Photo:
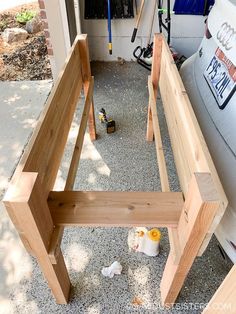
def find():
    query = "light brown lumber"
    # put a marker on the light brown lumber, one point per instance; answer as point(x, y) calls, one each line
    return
point(201, 205)
point(74, 208)
point(45, 149)
point(224, 300)
point(86, 74)
point(26, 201)
point(58, 230)
point(88, 83)
point(55, 244)
point(165, 186)
point(80, 139)
point(190, 147)
point(155, 75)
point(184, 172)
point(158, 141)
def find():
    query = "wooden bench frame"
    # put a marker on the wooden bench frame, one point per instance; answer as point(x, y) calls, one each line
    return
point(40, 214)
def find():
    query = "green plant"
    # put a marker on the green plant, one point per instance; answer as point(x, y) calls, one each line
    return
point(25, 16)
point(3, 25)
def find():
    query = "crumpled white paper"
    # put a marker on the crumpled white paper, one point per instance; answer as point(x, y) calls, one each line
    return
point(114, 269)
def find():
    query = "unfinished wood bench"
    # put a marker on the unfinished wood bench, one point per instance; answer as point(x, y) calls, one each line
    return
point(40, 214)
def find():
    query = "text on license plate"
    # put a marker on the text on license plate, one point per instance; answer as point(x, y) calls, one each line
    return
point(221, 77)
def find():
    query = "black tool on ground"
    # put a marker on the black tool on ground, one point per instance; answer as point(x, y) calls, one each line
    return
point(110, 123)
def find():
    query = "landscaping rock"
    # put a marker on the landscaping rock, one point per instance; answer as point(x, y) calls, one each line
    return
point(29, 62)
point(34, 26)
point(11, 35)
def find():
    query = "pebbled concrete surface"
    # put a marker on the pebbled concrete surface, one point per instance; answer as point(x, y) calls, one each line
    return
point(119, 161)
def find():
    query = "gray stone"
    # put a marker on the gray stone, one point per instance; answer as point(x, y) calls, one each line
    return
point(11, 35)
point(34, 26)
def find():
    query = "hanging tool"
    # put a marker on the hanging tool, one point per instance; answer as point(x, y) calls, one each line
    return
point(110, 123)
point(109, 26)
point(144, 55)
point(136, 6)
point(166, 25)
point(137, 22)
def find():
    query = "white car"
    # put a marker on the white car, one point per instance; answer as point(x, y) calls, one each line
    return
point(209, 77)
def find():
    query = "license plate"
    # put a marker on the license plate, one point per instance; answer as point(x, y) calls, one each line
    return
point(221, 77)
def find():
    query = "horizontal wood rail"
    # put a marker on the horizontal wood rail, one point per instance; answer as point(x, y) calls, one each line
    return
point(80, 139)
point(165, 185)
point(74, 208)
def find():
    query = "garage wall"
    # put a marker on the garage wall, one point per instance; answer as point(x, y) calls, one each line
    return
point(187, 32)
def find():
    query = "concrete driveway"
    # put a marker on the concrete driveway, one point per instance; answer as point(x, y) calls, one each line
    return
point(20, 106)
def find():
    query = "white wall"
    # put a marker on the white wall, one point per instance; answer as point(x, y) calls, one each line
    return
point(187, 32)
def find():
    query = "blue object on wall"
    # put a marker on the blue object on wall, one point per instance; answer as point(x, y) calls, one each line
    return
point(194, 7)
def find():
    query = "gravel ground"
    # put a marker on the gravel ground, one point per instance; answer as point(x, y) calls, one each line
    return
point(119, 161)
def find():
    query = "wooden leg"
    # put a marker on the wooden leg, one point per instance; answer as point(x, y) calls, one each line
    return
point(86, 72)
point(91, 119)
point(27, 202)
point(198, 212)
point(224, 300)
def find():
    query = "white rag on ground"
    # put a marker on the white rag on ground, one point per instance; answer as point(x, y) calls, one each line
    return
point(114, 269)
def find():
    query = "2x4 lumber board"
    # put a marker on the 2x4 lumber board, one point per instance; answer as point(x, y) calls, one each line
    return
point(153, 82)
point(165, 186)
point(45, 149)
point(58, 230)
point(86, 74)
point(188, 130)
point(45, 156)
point(80, 139)
point(192, 137)
point(224, 300)
point(155, 75)
point(26, 201)
point(184, 172)
point(158, 141)
point(186, 123)
point(73, 208)
point(200, 206)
